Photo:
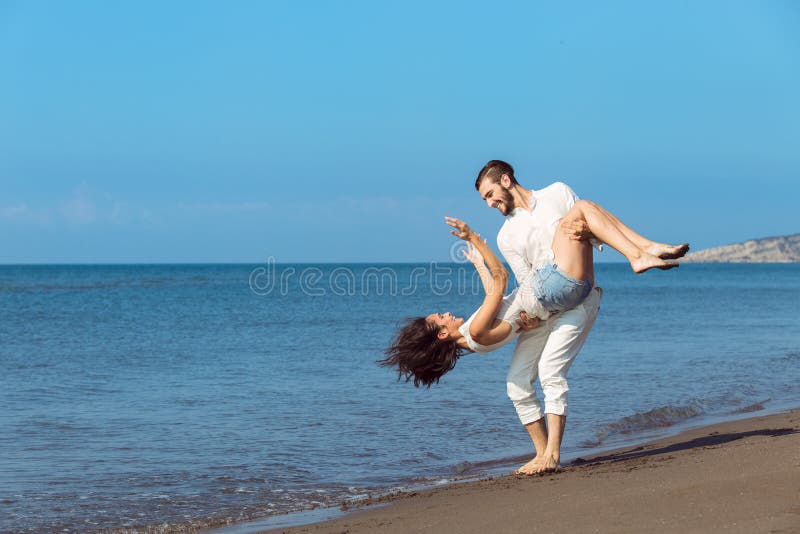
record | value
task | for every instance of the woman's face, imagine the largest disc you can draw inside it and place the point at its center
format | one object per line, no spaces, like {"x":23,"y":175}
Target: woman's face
{"x":446,"y":323}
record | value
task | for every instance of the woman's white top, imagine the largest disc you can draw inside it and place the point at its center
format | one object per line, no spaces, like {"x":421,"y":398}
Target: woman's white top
{"x":505,"y":305}
{"x":518,"y":301}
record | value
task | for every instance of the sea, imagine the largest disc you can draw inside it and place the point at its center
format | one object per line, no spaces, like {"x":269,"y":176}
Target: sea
{"x":160,"y":398}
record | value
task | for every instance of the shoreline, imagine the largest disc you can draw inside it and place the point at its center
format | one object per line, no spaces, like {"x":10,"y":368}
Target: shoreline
{"x":734,"y":458}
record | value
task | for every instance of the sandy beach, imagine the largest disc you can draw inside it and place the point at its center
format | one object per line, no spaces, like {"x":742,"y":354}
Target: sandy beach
{"x":740,"y":476}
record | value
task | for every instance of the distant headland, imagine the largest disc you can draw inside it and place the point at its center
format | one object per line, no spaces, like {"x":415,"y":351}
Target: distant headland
{"x":783,"y":249}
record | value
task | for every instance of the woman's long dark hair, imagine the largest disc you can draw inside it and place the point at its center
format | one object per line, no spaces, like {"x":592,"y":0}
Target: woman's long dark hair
{"x":418,"y":353}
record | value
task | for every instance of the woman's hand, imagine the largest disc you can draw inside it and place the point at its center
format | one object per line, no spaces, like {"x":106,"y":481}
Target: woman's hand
{"x":472,"y":254}
{"x":462,"y":229}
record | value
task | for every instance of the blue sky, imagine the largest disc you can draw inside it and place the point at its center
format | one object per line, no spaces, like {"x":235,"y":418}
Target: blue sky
{"x":345,"y":131}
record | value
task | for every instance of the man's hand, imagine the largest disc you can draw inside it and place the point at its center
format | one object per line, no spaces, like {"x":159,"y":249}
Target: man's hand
{"x":576,"y":229}
{"x":526,"y":323}
{"x":462,"y":229}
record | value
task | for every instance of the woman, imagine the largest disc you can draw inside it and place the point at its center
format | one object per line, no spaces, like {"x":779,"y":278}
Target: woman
{"x":426,"y":348}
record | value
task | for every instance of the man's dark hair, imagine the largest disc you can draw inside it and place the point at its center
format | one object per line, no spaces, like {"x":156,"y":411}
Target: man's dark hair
{"x":418,"y":353}
{"x":493,"y":171}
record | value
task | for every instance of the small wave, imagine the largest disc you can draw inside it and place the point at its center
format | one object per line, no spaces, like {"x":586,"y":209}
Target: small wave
{"x":755,"y":407}
{"x":660,"y":417}
{"x":463,"y":467}
{"x":38,"y":365}
{"x":789,"y":357}
{"x":57,"y":425}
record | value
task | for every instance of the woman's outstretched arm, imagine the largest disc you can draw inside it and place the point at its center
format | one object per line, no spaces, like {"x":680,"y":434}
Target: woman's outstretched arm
{"x":494,"y":281}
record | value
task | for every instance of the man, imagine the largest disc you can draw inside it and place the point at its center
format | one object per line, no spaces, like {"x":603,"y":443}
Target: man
{"x":545,"y":351}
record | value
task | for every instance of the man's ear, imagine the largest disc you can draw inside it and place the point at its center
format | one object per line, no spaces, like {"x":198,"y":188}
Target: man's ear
{"x":505,"y":181}
{"x":443,"y":334}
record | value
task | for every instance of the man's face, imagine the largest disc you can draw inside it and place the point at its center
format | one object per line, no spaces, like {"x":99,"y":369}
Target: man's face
{"x":496,"y":196}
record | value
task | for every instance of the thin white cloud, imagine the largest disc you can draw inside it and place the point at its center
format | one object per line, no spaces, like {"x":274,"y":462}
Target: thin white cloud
{"x":79,"y":208}
{"x":120,"y":212}
{"x":226,"y":207}
{"x":24,"y":214}
{"x":14,"y":212}
{"x":148,"y":216}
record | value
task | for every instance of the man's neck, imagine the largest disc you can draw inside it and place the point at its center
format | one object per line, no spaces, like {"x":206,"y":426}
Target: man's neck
{"x":521,"y":196}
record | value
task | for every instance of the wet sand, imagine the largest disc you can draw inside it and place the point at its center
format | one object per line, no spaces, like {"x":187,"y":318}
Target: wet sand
{"x":735,"y":477}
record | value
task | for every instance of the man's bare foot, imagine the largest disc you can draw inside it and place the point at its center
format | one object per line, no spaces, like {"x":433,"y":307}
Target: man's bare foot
{"x":529,"y":468}
{"x":668,"y":252}
{"x":547,"y":463}
{"x":648,"y":261}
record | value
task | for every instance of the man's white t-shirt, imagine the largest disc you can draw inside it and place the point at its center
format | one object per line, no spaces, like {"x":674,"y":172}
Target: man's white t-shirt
{"x":526,"y":238}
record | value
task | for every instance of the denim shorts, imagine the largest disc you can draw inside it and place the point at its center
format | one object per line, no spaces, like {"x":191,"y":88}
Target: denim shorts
{"x":557,"y":291}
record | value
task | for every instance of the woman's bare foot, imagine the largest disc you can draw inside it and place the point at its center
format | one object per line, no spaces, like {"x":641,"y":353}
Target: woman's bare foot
{"x":647,"y":261}
{"x":668,"y":252}
{"x":547,"y":463}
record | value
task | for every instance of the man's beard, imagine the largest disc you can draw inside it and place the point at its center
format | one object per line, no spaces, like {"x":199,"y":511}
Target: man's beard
{"x":506,"y":202}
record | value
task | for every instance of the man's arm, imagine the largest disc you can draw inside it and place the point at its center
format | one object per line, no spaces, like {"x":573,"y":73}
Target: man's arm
{"x":569,"y":196}
{"x":526,"y":323}
{"x":576,"y":229}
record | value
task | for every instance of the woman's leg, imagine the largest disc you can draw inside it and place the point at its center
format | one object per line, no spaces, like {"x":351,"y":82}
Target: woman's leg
{"x":662,"y":250}
{"x":573,"y":259}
